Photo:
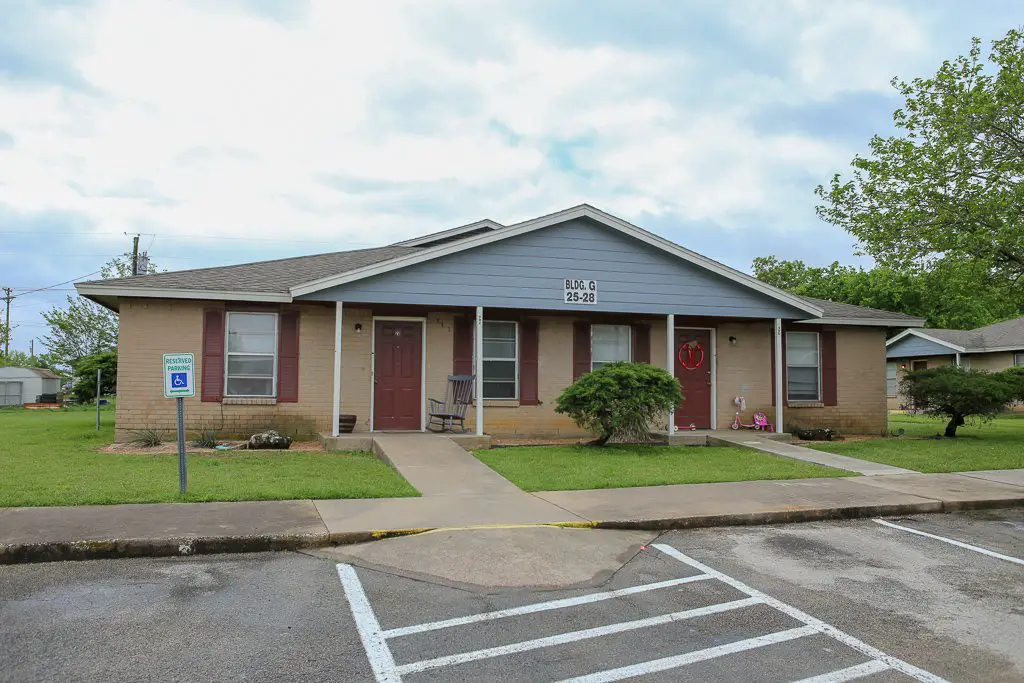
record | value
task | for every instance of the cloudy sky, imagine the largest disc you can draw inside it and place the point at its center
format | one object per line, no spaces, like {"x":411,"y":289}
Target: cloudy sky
{"x":249,"y":129}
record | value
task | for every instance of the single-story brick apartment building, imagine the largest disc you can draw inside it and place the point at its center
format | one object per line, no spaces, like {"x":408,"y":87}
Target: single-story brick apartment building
{"x":994,"y":347}
{"x":525,"y":308}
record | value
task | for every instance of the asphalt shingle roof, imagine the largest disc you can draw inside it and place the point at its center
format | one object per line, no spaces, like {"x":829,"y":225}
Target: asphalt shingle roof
{"x":278,"y":276}
{"x":275,"y":277}
{"x":835,"y":309}
{"x":1000,"y":335}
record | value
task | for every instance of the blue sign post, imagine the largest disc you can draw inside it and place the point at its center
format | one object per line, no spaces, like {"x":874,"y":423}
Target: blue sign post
{"x":179,"y":383}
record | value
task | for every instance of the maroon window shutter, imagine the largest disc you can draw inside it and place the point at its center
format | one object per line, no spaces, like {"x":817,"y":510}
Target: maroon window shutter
{"x":462,"y":362}
{"x":529,"y":351}
{"x":213,"y":356}
{"x":288,"y":358}
{"x":641,"y":343}
{"x":580,"y":349}
{"x":829,"y":376}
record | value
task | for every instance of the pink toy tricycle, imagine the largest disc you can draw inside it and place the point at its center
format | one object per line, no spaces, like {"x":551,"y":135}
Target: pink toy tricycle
{"x":760,"y":423}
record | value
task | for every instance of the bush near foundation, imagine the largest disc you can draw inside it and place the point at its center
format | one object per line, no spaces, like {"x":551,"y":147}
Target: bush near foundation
{"x":620,"y":401}
{"x":962,"y":395}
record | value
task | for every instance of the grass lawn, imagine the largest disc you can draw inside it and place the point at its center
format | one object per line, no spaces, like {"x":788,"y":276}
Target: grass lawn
{"x":47,"y":458}
{"x":996,"y":445}
{"x":560,"y":468}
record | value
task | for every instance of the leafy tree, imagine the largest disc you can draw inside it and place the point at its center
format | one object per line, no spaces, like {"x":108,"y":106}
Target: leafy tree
{"x":84,"y":387}
{"x":960,"y":394}
{"x":950,"y":187}
{"x":18,"y":359}
{"x":946,"y":296}
{"x":620,"y":400}
{"x":80,"y":330}
{"x":83,"y":327}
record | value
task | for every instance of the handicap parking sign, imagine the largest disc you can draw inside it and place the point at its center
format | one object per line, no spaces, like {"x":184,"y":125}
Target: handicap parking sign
{"x":179,"y":375}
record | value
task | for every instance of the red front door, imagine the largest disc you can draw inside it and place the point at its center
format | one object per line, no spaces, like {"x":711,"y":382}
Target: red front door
{"x":397,"y":366}
{"x":693,"y":370}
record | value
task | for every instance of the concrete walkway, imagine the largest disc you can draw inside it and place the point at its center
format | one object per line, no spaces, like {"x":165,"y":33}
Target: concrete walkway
{"x":788,"y":450}
{"x":437,"y":466}
{"x":87,"y":532}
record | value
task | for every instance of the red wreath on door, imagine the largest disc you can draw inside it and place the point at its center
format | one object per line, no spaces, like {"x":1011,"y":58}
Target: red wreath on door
{"x":691,"y":355}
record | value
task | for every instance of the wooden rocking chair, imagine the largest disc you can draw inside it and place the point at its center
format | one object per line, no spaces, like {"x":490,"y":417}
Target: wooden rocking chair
{"x":457,"y":397}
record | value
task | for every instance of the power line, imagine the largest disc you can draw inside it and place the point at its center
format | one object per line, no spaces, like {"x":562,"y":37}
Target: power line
{"x":66,"y":282}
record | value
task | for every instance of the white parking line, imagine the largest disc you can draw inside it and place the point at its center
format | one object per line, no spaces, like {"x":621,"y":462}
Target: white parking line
{"x":848,"y":674}
{"x":377,"y":651}
{"x":959,"y":544}
{"x":822,"y":627}
{"x":573,"y":636}
{"x":540,"y":607}
{"x":678,"y":661}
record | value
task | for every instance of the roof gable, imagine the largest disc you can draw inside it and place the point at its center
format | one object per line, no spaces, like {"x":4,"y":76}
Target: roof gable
{"x":579,"y":212}
{"x":914,"y":343}
{"x":528,"y":271}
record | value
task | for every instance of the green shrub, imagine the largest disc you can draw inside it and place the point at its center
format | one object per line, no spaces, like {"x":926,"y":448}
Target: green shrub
{"x":620,"y":400}
{"x":207,"y":439}
{"x":147,"y":438}
{"x":959,"y":394}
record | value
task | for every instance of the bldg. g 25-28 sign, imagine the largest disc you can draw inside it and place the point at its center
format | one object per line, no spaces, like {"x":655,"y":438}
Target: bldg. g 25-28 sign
{"x":580,"y":291}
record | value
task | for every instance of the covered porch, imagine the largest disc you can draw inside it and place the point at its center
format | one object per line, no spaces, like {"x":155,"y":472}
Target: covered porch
{"x":388,"y":359}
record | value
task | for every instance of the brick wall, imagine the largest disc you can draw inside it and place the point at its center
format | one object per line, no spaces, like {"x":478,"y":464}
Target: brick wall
{"x":861,"y":409}
{"x":149,"y":328}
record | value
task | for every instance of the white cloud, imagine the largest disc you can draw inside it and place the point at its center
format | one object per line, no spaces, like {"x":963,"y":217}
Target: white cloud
{"x":221,"y":121}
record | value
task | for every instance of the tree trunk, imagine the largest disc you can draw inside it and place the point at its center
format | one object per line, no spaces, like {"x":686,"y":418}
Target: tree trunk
{"x":954,"y":422}
{"x":603,"y":439}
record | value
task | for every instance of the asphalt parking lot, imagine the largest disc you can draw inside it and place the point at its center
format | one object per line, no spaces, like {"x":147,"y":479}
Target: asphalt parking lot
{"x":819,"y":602}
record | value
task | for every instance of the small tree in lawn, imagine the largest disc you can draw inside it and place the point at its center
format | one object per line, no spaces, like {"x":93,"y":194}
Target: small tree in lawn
{"x":84,"y":388}
{"x":961,"y":394}
{"x":620,"y":400}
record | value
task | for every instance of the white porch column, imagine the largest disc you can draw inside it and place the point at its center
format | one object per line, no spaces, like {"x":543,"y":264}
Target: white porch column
{"x":958,"y":359}
{"x":336,"y":411}
{"x":670,"y":365}
{"x":478,"y":364}
{"x":779,"y":360}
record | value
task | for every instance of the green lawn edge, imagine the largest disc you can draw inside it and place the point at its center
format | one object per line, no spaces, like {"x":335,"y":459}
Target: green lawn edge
{"x":995,"y":445}
{"x":571,"y":468}
{"x":50,"y":459}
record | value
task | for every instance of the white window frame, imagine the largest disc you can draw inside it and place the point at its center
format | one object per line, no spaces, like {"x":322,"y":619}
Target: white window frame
{"x":629,"y":349}
{"x":896,"y":379}
{"x":789,"y":398}
{"x":514,"y":397}
{"x":228,"y":354}
{"x":1018,"y":359}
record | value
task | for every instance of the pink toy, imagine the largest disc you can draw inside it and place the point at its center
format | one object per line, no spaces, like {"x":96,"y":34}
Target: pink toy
{"x":760,"y":422}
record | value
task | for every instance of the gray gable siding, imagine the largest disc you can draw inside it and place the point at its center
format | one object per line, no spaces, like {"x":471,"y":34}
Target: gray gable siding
{"x":528,"y":271}
{"x":913,"y":346}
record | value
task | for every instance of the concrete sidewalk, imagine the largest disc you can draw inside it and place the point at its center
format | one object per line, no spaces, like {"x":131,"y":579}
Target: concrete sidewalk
{"x":86,"y":532}
{"x":788,"y":450}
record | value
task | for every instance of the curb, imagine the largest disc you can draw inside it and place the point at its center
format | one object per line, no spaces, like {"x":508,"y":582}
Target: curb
{"x":60,"y":551}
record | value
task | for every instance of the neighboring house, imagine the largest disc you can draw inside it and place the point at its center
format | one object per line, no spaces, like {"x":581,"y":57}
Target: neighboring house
{"x":995,"y":347}
{"x":19,"y":386}
{"x":526,"y":308}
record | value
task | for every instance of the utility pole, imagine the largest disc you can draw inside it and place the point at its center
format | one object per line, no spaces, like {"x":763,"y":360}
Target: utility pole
{"x":8,"y":298}
{"x":135,"y":255}
{"x":32,"y":348}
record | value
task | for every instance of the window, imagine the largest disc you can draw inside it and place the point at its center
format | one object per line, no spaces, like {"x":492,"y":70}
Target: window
{"x":609,"y":343}
{"x":251,"y":362}
{"x":501,"y":360}
{"x":890,"y":379}
{"x":1018,"y":359}
{"x":965,"y":363}
{"x":803,"y":369}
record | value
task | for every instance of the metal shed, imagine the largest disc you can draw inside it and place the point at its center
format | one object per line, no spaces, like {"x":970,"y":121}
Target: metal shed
{"x":19,"y":386}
